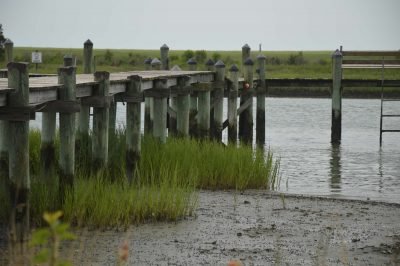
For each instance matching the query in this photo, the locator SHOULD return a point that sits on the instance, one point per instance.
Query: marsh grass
(164, 187)
(314, 64)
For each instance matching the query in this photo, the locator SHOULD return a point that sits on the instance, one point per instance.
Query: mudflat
(257, 228)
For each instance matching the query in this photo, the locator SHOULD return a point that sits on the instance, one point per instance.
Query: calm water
(298, 131)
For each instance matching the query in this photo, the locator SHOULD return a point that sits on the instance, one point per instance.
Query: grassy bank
(164, 188)
(280, 64)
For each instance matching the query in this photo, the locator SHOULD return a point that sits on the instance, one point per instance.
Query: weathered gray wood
(19, 182)
(9, 50)
(183, 103)
(370, 53)
(164, 57)
(261, 94)
(172, 122)
(133, 136)
(245, 54)
(112, 118)
(67, 132)
(4, 139)
(160, 112)
(203, 116)
(218, 100)
(232, 105)
(246, 117)
(100, 124)
(68, 60)
(83, 127)
(47, 147)
(210, 67)
(88, 57)
(148, 122)
(155, 64)
(193, 109)
(336, 128)
(147, 64)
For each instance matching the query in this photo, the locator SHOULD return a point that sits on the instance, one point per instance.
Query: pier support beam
(219, 86)
(203, 116)
(245, 54)
(100, 123)
(246, 99)
(160, 93)
(19, 182)
(193, 123)
(164, 57)
(112, 121)
(336, 128)
(82, 142)
(261, 94)
(133, 118)
(47, 147)
(183, 103)
(4, 137)
(67, 77)
(232, 105)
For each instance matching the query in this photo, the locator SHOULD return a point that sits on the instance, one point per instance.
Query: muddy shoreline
(257, 228)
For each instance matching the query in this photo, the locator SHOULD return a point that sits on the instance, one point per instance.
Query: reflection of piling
(335, 167)
(336, 129)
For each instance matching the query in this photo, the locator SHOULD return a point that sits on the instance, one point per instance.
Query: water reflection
(335, 167)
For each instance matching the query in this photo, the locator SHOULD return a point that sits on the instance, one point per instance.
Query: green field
(280, 64)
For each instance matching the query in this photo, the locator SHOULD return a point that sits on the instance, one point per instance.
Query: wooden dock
(192, 100)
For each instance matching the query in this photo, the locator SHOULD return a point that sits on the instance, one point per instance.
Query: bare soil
(257, 228)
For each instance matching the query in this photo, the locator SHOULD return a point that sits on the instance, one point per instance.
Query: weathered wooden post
(19, 182)
(245, 54)
(336, 129)
(192, 66)
(9, 50)
(246, 104)
(147, 64)
(232, 104)
(203, 116)
(261, 94)
(47, 148)
(100, 122)
(112, 118)
(164, 57)
(8, 45)
(67, 77)
(155, 64)
(183, 103)
(210, 67)
(68, 60)
(133, 113)
(160, 93)
(83, 127)
(219, 86)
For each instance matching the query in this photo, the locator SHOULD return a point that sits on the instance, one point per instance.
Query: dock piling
(246, 101)
(100, 122)
(164, 57)
(159, 94)
(67, 77)
(192, 66)
(183, 103)
(232, 104)
(219, 86)
(133, 117)
(336, 128)
(261, 94)
(19, 178)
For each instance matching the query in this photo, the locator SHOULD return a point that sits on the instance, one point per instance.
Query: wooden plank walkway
(44, 89)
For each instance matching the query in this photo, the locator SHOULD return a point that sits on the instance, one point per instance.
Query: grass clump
(164, 187)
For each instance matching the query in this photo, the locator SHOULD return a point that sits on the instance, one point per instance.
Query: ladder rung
(390, 115)
(390, 130)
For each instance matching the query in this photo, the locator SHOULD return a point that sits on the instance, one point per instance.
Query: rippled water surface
(298, 131)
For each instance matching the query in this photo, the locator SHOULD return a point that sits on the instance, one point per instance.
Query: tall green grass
(164, 187)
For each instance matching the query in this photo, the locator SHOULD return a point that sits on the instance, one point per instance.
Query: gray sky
(205, 24)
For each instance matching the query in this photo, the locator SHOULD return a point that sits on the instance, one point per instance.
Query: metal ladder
(383, 99)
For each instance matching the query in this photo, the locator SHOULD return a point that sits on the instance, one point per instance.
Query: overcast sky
(205, 24)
